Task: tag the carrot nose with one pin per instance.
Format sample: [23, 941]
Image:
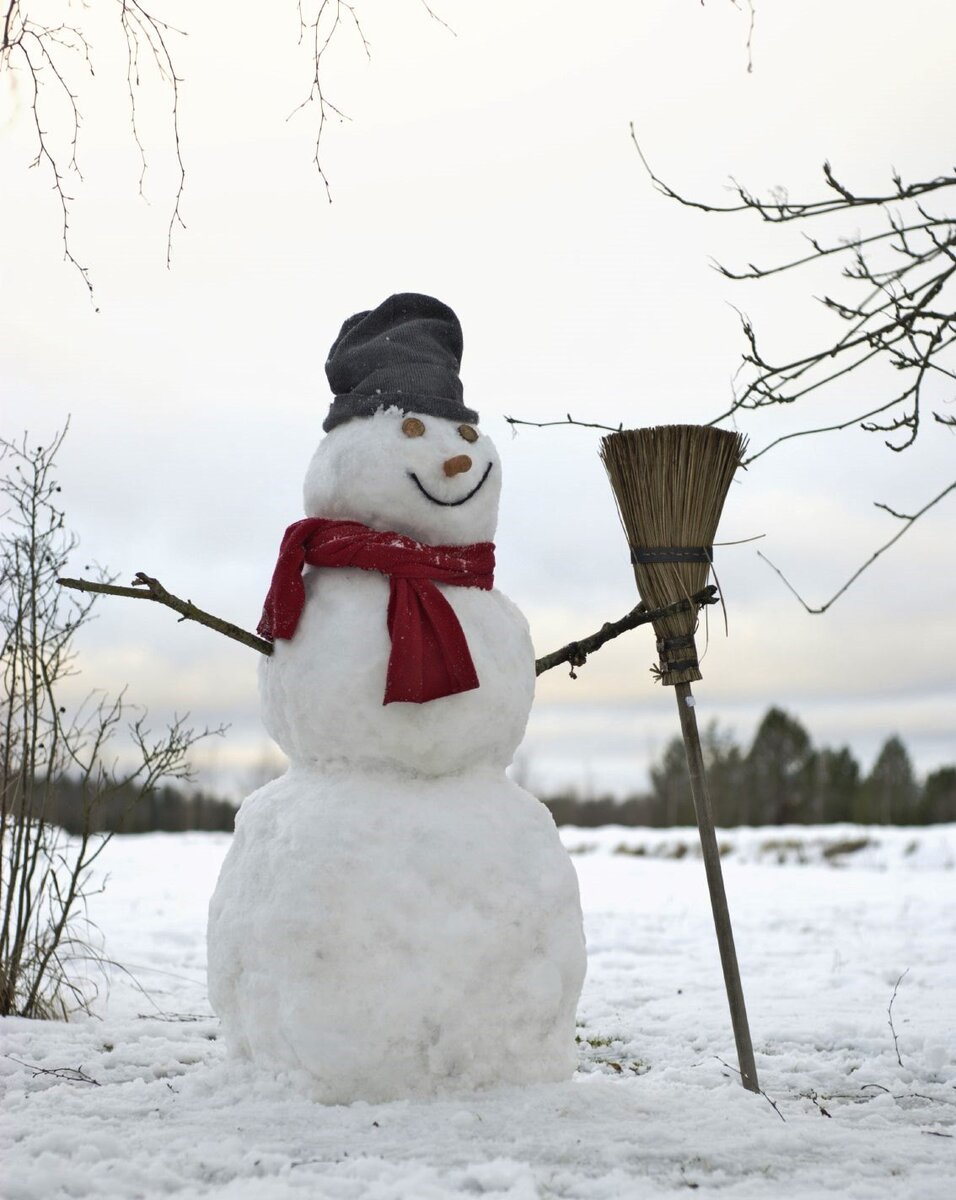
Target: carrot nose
[457, 465]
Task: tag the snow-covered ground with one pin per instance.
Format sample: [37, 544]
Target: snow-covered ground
[141, 1101]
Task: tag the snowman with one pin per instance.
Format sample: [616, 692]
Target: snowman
[395, 917]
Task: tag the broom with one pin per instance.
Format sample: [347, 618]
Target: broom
[670, 483]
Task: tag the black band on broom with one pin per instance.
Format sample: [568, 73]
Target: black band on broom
[670, 483]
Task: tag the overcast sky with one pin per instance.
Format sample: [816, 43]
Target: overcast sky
[493, 168]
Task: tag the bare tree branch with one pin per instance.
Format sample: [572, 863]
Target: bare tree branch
[147, 588]
[319, 22]
[58, 62]
[898, 310]
[435, 17]
[905, 318]
[909, 521]
[786, 437]
[144, 32]
[576, 653]
[568, 420]
[780, 209]
[318, 28]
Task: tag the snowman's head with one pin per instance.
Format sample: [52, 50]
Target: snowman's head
[433, 479]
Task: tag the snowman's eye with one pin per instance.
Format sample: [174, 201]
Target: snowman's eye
[412, 427]
[468, 433]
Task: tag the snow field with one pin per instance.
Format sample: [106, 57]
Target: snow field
[653, 1110]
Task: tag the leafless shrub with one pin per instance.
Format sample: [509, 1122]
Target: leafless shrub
[45, 875]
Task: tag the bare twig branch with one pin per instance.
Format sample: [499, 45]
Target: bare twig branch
[435, 17]
[908, 523]
[750, 32]
[319, 28]
[576, 653]
[144, 32]
[568, 420]
[897, 310]
[772, 1103]
[786, 437]
[71, 1074]
[889, 1013]
[815, 1100]
[147, 588]
[781, 209]
[57, 59]
[906, 318]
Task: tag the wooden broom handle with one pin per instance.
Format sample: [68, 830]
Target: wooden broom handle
[715, 883]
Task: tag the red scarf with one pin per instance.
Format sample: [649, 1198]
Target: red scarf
[430, 656]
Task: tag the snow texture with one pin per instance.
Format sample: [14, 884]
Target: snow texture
[158, 1109]
[396, 938]
[395, 917]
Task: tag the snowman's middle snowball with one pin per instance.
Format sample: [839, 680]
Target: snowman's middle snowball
[429, 657]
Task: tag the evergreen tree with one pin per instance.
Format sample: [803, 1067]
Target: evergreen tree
[779, 771]
[938, 801]
[671, 784]
[890, 792]
[726, 776]
[836, 785]
[723, 761]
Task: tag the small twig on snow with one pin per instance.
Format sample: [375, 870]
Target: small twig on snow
[175, 1018]
[772, 1103]
[889, 1013]
[814, 1099]
[70, 1074]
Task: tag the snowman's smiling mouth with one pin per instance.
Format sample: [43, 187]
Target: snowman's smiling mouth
[450, 503]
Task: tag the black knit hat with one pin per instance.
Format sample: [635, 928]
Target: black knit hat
[404, 354]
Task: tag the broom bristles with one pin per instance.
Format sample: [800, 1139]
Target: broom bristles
[670, 483]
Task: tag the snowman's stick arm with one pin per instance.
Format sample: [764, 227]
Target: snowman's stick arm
[576, 653]
[147, 588]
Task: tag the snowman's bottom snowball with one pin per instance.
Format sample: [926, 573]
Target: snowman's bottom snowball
[398, 937]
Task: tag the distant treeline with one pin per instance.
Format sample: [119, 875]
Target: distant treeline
[165, 810]
[780, 779]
